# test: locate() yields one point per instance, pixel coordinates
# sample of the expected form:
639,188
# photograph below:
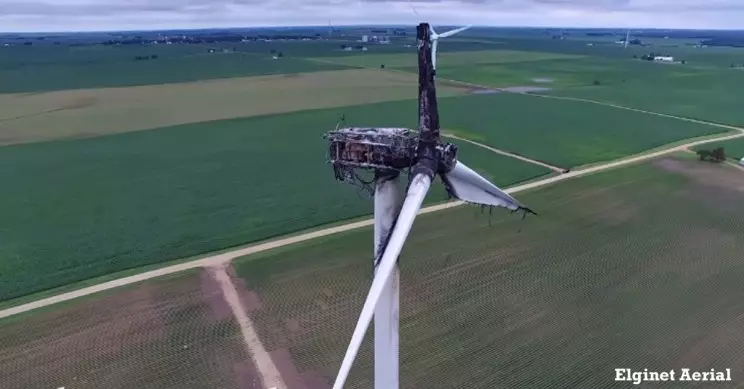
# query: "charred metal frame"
428,154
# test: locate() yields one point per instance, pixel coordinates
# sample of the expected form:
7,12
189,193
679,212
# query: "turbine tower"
627,39
388,152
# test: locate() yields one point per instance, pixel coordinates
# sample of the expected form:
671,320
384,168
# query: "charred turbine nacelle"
385,151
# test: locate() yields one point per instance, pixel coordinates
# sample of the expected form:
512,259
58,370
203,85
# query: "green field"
78,209
563,133
174,332
691,90
34,70
707,94
446,60
637,267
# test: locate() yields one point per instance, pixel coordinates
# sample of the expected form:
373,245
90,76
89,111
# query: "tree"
716,155
597,83
382,66
280,54
719,155
703,154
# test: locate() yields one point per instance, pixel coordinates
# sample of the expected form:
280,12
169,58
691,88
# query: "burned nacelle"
383,151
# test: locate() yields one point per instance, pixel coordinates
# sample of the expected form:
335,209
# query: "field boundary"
506,153
226,257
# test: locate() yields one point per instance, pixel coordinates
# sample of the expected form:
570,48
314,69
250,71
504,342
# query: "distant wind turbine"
627,39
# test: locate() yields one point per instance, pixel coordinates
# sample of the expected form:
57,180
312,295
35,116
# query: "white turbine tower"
388,152
627,39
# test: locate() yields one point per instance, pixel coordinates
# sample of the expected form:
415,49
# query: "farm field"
681,90
707,94
91,112
174,332
633,267
562,133
88,207
713,57
333,50
560,73
447,59
115,67
696,90
47,68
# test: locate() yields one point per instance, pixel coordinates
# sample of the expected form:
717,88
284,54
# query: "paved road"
220,259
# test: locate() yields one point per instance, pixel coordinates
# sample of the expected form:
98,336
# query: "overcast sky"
87,15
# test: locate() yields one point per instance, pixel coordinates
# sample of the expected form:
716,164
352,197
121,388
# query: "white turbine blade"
434,54
413,9
452,32
416,193
469,186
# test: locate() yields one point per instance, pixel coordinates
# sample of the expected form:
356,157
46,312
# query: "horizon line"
357,25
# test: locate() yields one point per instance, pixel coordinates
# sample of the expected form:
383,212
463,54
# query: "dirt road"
270,376
219,259
506,153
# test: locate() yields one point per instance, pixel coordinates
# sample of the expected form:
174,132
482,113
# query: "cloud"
60,15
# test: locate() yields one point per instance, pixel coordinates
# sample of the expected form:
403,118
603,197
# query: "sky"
102,15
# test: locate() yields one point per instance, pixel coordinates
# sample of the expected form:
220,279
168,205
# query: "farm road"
270,376
506,153
223,258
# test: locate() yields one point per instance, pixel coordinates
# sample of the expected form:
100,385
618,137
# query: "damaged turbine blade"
465,184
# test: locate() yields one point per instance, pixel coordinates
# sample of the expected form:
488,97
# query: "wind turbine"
387,152
435,39
627,39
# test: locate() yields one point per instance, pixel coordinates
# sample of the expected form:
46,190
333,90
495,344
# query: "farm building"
741,162
664,59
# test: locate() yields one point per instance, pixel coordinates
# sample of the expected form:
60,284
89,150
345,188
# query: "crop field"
690,90
175,332
637,267
563,133
333,50
90,112
559,73
713,57
36,70
707,94
78,209
445,59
